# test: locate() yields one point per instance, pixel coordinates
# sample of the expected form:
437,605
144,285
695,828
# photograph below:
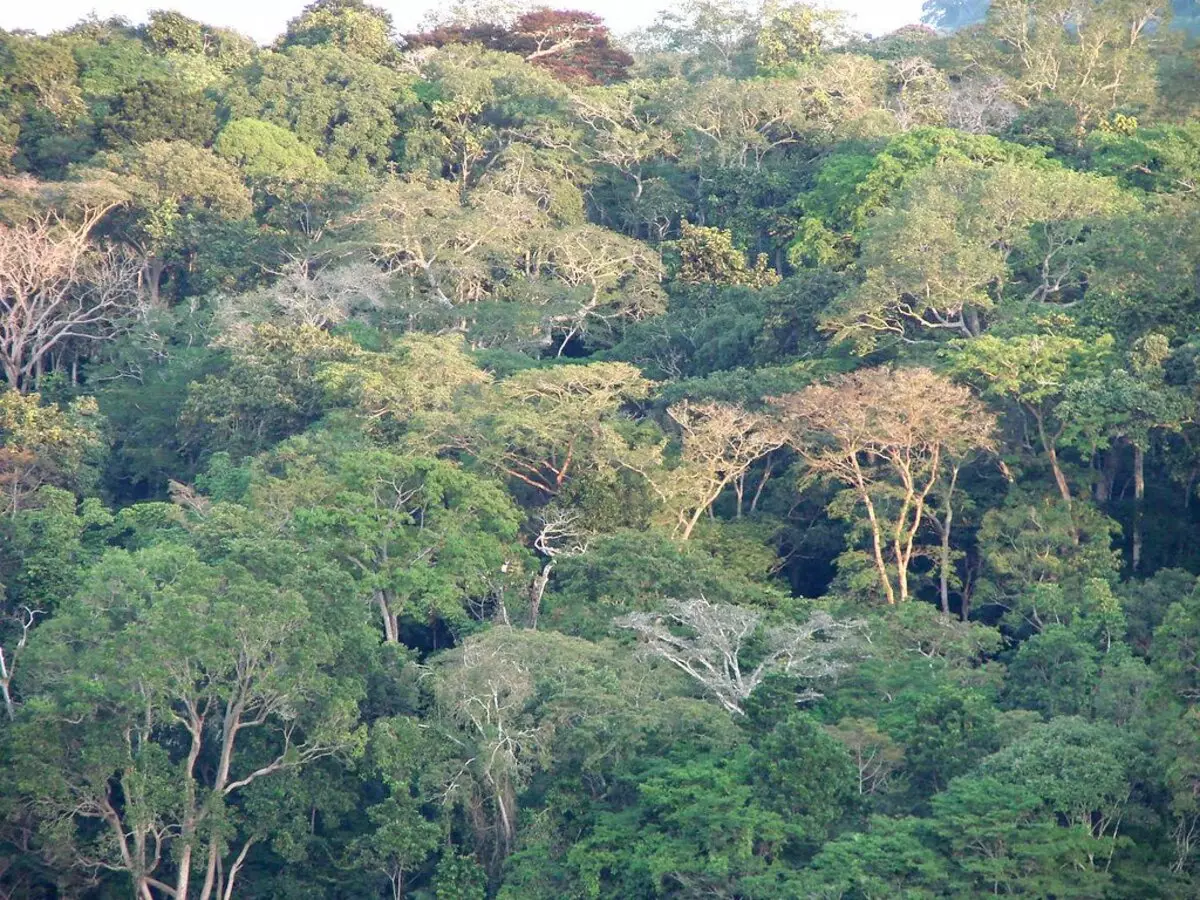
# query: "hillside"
745,460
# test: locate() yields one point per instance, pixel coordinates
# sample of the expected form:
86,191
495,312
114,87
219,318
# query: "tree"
274,161
1080,771
179,194
573,46
965,240
1002,840
270,390
805,775
712,644
1053,672
43,444
211,658
57,286
945,731
871,429
1047,562
1175,651
875,755
49,543
1034,371
888,859
1178,752
504,694
1095,59
718,444
542,427
424,542
159,109
353,26
1126,408
616,278
403,838
708,256
344,106
413,384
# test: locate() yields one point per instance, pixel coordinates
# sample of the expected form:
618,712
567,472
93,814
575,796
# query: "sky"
264,19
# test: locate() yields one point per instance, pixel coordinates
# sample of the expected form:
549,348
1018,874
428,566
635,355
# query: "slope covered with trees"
749,460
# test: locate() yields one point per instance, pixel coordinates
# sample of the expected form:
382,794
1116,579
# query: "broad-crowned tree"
964,240
542,427
718,443
728,650
1034,371
344,106
1094,59
353,26
198,674
58,287
44,444
1083,773
1001,838
180,196
896,438
425,543
270,390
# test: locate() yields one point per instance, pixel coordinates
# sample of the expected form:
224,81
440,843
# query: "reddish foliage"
573,46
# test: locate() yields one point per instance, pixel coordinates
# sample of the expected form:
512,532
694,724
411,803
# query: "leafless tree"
486,693
711,643
980,105
561,534
56,285
306,293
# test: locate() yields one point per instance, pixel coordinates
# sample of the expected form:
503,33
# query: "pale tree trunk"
152,273
1139,494
876,538
912,511
391,631
762,483
536,591
944,561
5,687
1060,479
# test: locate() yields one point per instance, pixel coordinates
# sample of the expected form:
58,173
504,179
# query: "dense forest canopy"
746,459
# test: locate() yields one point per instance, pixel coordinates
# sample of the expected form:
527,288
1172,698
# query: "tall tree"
891,436
58,286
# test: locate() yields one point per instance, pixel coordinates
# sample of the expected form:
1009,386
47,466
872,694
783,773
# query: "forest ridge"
745,459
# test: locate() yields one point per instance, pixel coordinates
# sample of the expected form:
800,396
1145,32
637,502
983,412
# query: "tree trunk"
762,483
1108,475
536,592
971,320
390,630
1060,479
6,686
210,871
185,871
944,561
152,273
876,541
1139,495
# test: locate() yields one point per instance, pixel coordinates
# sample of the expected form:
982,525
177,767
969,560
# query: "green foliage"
342,105
439,514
